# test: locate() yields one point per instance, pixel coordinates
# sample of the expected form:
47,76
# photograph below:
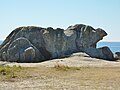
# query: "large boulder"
102,53
33,44
21,50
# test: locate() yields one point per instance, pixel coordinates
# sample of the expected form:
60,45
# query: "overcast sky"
103,14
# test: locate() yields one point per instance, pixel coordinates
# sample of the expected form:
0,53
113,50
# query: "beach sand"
77,72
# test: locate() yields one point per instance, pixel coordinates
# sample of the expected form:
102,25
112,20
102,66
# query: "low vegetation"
14,73
61,77
63,67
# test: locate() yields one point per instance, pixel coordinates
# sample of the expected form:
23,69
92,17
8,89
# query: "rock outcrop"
102,53
117,55
36,44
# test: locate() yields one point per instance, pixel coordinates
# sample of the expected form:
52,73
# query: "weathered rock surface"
34,44
21,50
117,55
102,53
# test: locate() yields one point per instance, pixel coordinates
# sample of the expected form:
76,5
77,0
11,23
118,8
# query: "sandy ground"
105,77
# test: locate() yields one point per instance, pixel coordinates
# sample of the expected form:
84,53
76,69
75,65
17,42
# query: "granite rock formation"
117,55
102,53
36,44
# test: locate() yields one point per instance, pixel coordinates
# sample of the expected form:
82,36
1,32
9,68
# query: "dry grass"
13,73
60,77
63,67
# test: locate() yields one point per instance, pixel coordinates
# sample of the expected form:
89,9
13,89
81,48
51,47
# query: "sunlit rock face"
36,44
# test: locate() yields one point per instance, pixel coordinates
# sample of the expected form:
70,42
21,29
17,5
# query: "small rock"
117,55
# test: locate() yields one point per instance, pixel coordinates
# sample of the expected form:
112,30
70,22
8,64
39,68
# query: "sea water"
114,46
1,42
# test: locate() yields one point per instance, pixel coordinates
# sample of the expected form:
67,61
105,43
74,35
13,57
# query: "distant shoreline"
114,46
